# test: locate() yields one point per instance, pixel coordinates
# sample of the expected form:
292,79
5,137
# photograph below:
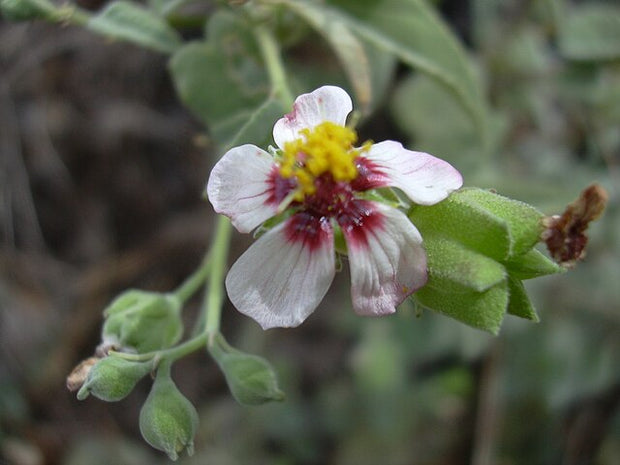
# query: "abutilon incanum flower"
320,181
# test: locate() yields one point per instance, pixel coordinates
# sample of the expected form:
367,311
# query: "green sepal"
532,264
486,222
168,420
340,243
250,378
524,221
479,246
113,378
272,222
385,195
465,222
454,268
143,321
482,310
519,304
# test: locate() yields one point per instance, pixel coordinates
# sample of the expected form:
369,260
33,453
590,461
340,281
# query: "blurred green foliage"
419,388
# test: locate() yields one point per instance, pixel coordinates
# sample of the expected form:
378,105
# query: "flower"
320,182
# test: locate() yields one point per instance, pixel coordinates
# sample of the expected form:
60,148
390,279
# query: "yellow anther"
327,148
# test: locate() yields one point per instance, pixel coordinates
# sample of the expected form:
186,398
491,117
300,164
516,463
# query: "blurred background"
101,179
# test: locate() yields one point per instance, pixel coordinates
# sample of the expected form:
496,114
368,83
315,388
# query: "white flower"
319,176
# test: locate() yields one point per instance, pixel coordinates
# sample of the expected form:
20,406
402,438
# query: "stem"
192,283
215,296
174,353
273,62
213,266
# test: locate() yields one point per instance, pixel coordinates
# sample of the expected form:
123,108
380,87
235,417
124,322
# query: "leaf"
258,123
532,265
482,310
519,303
346,46
133,23
413,32
418,103
591,32
454,268
23,10
222,81
166,7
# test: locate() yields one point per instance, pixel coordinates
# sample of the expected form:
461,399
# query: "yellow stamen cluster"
327,148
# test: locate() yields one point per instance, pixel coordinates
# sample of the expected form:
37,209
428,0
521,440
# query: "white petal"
239,187
281,279
387,261
327,103
425,179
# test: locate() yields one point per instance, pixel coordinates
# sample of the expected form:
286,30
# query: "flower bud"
78,375
22,10
479,247
251,379
113,378
168,420
144,321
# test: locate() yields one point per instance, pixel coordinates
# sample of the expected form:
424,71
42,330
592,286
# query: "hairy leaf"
133,23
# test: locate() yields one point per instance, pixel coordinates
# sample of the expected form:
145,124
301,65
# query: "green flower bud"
22,10
479,246
144,321
113,378
251,379
168,420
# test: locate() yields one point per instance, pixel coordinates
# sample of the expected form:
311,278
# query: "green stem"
213,266
172,354
215,296
273,62
191,284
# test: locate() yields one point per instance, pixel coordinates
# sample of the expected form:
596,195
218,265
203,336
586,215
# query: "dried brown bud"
78,375
565,234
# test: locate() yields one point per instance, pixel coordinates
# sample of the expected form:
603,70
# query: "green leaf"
519,303
346,46
532,265
419,102
133,23
454,268
223,82
482,310
412,31
165,7
258,123
23,10
591,32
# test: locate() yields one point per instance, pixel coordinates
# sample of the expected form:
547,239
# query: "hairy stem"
194,281
215,295
213,266
171,354
273,62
